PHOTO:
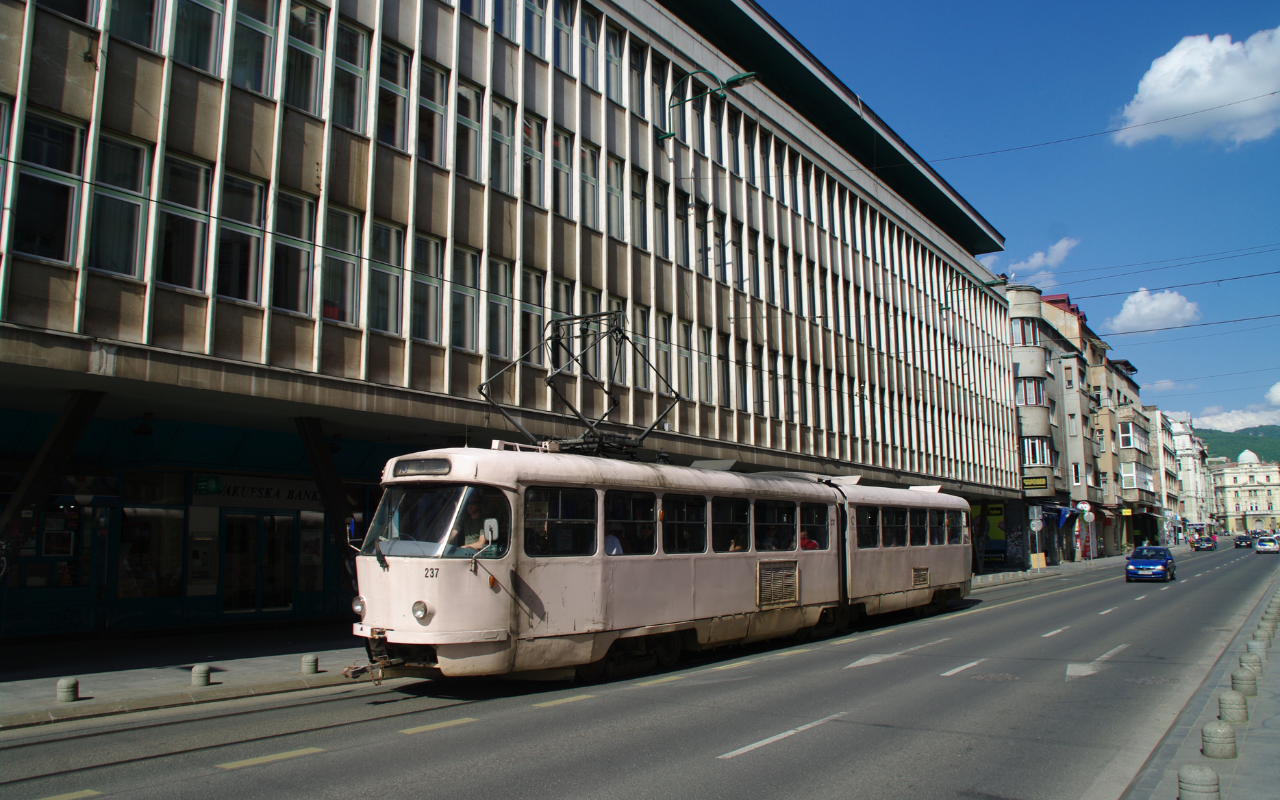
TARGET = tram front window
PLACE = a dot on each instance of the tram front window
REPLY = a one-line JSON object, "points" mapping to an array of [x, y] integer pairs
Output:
{"points": [[440, 521]]}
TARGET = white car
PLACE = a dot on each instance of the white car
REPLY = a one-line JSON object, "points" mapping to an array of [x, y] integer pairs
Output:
{"points": [[1267, 544]]}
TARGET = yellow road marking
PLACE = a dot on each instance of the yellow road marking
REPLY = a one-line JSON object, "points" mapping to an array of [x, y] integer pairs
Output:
{"points": [[667, 679], [735, 666], [249, 762], [73, 795], [793, 652], [564, 700], [438, 725]]}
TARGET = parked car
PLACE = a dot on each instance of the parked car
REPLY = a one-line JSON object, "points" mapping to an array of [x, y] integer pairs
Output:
{"points": [[1204, 543], [1244, 541], [1150, 564], [1267, 544]]}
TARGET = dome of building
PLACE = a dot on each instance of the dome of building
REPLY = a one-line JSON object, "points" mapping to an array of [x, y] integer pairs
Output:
{"points": [[1248, 457]]}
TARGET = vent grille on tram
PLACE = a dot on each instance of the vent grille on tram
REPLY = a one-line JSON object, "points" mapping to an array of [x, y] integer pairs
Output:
{"points": [[779, 584]]}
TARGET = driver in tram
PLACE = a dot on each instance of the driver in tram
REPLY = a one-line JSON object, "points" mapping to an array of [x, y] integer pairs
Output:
{"points": [[468, 528]]}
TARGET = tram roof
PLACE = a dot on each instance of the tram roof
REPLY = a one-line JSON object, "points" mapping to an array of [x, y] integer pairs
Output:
{"points": [[512, 468]]}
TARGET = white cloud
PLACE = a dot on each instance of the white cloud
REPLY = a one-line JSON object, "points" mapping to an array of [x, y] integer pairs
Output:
{"points": [[1159, 387], [989, 261], [1042, 263], [1273, 395], [1201, 73], [1143, 310], [1235, 420]]}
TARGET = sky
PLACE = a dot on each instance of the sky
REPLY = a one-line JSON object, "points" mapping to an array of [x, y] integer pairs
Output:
{"points": [[1122, 221]]}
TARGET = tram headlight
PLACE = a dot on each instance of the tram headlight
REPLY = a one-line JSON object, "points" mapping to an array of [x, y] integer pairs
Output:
{"points": [[421, 610], [357, 605]]}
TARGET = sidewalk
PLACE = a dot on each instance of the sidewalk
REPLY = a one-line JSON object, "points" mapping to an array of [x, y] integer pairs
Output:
{"points": [[1254, 774], [126, 674]]}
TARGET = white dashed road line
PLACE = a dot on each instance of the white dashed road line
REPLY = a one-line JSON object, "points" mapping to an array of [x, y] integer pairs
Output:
{"points": [[780, 736], [877, 658], [951, 672], [1136, 599], [1054, 633], [1108, 611]]}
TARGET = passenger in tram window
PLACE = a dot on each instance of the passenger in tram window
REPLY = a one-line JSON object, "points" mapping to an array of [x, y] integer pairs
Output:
{"points": [[730, 524], [468, 529], [684, 524], [893, 530], [626, 515], [775, 525], [813, 526], [646, 544], [919, 527], [560, 522], [612, 542]]}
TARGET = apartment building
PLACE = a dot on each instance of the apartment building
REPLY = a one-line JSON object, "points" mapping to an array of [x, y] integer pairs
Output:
{"points": [[251, 250], [1195, 503], [1168, 484], [1247, 492]]}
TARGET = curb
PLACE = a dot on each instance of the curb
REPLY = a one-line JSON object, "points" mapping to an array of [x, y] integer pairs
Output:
{"points": [[88, 710], [1002, 578]]}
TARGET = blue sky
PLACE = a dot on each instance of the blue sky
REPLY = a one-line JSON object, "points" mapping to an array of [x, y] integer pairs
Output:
{"points": [[960, 78]]}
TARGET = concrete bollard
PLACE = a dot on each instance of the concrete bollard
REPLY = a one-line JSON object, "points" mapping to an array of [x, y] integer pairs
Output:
{"points": [[1218, 740], [68, 690], [1197, 782], [1257, 648], [311, 664], [1251, 662], [200, 675], [1264, 636], [1232, 707], [1245, 682]]}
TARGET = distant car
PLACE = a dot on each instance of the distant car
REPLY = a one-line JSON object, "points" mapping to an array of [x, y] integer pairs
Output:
{"points": [[1204, 543], [1244, 541], [1267, 544], [1150, 564]]}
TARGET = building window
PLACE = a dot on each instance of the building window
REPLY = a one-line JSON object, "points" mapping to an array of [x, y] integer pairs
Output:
{"points": [[1025, 332], [467, 152], [613, 171], [465, 306], [1133, 436], [678, 119], [428, 270], [499, 322], [701, 242], [253, 51], [562, 173], [658, 86], [304, 62], [291, 264], [1037, 451], [682, 229], [661, 236], [1075, 473], [613, 64], [771, 281], [663, 349], [590, 196], [641, 340], [753, 267], [340, 280], [532, 307], [393, 98], [704, 364], [802, 389], [240, 235], [136, 21], [562, 49], [589, 333], [638, 55], [119, 207], [590, 44], [472, 8], [433, 91], [534, 140], [697, 109], [44, 218], [740, 370], [386, 270], [766, 175], [735, 157], [506, 17], [721, 254], [197, 34], [685, 355], [183, 223], [717, 131], [535, 36], [618, 356], [749, 151], [351, 60], [1029, 391], [503, 122], [639, 211]]}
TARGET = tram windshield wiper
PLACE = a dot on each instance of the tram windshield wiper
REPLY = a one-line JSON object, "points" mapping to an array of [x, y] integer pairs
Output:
{"points": [[382, 560]]}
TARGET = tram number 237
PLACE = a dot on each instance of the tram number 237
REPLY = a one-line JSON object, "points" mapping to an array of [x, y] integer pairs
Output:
{"points": [[431, 572]]}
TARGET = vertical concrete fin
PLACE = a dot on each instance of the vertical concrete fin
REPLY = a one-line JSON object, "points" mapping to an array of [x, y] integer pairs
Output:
{"points": [[324, 470]]}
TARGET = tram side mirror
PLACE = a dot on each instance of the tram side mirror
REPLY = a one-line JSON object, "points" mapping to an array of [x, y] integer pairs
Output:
{"points": [[491, 530], [353, 541]]}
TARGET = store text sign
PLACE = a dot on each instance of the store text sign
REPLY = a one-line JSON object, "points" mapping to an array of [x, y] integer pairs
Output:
{"points": [[241, 491]]}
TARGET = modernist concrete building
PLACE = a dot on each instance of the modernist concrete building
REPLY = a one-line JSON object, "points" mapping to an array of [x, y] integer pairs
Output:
{"points": [[1247, 492], [252, 249]]}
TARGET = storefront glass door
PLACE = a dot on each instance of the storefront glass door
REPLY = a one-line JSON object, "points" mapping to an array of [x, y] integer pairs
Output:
{"points": [[259, 562]]}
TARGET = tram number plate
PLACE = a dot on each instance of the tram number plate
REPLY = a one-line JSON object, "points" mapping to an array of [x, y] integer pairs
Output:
{"points": [[431, 572]]}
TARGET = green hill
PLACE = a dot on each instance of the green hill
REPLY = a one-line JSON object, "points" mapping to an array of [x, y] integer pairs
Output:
{"points": [[1263, 440]]}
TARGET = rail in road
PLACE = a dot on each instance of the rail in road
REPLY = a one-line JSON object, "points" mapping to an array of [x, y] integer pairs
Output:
{"points": [[1051, 689]]}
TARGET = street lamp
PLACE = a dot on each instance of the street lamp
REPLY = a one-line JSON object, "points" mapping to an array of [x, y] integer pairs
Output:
{"points": [[734, 82]]}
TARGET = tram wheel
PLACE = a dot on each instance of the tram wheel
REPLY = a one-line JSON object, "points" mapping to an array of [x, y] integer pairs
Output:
{"points": [[590, 673], [666, 647]]}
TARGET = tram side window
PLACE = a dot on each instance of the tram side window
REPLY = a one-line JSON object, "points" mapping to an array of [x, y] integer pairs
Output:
{"points": [[684, 523], [629, 522], [919, 527], [937, 527], [559, 522], [955, 527], [730, 524], [893, 533], [813, 526], [775, 525], [868, 521]]}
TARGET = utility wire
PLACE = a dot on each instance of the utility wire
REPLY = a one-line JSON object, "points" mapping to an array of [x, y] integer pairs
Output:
{"points": [[1219, 375], [1181, 285]]}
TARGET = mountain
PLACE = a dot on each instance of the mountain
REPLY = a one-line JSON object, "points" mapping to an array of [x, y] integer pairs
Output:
{"points": [[1263, 440]]}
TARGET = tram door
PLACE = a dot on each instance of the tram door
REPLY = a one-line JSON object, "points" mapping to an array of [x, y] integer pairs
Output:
{"points": [[259, 562]]}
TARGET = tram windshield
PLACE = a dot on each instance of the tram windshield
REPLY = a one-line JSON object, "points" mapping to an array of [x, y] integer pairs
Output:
{"points": [[440, 520]]}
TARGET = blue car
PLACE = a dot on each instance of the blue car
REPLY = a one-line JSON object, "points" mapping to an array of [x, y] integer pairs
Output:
{"points": [[1150, 564]]}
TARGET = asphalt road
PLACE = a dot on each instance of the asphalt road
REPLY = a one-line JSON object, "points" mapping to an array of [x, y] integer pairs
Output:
{"points": [[1058, 688]]}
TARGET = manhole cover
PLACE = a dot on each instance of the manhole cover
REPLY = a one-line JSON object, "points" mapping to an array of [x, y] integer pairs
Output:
{"points": [[996, 677], [1148, 681]]}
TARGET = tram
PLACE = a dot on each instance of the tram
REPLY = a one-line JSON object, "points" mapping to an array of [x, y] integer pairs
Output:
{"points": [[535, 564]]}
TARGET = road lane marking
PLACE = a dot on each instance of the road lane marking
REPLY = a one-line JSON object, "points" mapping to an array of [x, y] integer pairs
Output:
{"points": [[1093, 667], [1197, 575], [779, 737], [438, 725], [249, 762], [792, 652], [1108, 611], [1164, 588], [951, 672], [73, 795], [735, 665], [877, 658], [1139, 597], [563, 700], [1054, 633], [667, 679]]}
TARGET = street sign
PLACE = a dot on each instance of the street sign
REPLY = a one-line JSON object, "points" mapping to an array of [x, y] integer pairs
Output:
{"points": [[1083, 506], [1037, 525]]}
